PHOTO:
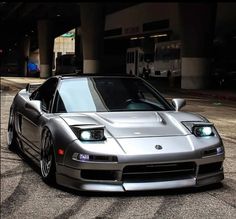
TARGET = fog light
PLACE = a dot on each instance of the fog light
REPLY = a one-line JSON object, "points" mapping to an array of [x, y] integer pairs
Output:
{"points": [[80, 157], [220, 150], [83, 157], [93, 158]]}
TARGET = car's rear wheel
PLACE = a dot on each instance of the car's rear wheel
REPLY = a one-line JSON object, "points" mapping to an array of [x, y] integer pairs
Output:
{"points": [[11, 133], [47, 162]]}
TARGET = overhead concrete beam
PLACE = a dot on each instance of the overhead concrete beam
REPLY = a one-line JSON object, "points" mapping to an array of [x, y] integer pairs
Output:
{"points": [[29, 8], [12, 11]]}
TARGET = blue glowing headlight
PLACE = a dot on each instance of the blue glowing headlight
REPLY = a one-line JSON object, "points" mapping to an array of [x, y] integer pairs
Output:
{"points": [[92, 135], [89, 132], [85, 135], [200, 129]]}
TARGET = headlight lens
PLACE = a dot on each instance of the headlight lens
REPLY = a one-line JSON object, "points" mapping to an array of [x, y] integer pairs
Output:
{"points": [[200, 129], [92, 135], [89, 133], [85, 135]]}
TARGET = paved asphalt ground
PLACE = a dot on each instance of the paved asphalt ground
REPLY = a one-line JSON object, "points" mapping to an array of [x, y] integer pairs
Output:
{"points": [[25, 195]]}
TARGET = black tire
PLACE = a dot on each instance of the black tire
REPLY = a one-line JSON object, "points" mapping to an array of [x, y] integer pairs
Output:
{"points": [[47, 161], [11, 133]]}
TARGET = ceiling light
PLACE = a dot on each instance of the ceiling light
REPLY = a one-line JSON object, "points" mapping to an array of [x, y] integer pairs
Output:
{"points": [[158, 35]]}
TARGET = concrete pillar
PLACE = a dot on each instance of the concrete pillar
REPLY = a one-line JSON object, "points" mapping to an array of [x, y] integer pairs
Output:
{"points": [[78, 43], [46, 43], [79, 48], [92, 30], [23, 56], [197, 22]]}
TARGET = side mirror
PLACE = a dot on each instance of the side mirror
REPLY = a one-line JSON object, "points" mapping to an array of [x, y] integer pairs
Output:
{"points": [[34, 106], [178, 103]]}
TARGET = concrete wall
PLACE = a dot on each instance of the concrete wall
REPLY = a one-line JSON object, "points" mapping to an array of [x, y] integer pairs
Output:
{"points": [[135, 16], [131, 21]]}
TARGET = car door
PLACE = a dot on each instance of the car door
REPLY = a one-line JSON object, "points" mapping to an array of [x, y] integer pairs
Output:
{"points": [[32, 121]]}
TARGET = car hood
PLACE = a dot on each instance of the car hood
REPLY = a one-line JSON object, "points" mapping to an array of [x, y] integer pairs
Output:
{"points": [[135, 124]]}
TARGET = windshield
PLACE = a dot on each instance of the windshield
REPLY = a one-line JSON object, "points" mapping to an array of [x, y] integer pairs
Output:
{"points": [[99, 94]]}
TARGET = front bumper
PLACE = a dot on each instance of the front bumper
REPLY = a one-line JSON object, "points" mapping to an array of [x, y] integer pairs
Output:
{"points": [[206, 171], [141, 186]]}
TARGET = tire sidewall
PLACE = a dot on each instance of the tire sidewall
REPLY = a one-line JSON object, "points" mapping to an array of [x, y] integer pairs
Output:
{"points": [[50, 178], [11, 134]]}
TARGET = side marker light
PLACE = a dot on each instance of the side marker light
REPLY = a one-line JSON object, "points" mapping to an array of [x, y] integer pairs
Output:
{"points": [[60, 152]]}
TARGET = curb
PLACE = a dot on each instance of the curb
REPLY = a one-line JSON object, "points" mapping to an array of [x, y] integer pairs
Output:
{"points": [[4, 88], [7, 85], [217, 96], [17, 83], [170, 91]]}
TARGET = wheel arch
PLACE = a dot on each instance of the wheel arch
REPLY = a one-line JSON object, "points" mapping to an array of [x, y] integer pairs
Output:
{"points": [[61, 134]]}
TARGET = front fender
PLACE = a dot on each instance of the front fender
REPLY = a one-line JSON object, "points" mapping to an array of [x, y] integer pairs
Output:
{"points": [[62, 136]]}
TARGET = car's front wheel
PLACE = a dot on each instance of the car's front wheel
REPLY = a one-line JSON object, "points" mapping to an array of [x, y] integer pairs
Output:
{"points": [[47, 162], [11, 133]]}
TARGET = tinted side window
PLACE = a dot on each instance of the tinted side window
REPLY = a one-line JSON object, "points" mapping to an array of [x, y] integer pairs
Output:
{"points": [[45, 93]]}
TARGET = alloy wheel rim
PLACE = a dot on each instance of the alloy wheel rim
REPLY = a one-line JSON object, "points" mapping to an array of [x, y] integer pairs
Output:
{"points": [[46, 160]]}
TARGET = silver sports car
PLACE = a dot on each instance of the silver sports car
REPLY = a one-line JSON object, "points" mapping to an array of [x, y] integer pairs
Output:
{"points": [[113, 133]]}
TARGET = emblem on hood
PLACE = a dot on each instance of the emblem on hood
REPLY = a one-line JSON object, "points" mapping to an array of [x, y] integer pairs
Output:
{"points": [[158, 147]]}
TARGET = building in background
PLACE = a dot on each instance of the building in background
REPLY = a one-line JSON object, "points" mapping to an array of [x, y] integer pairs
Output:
{"points": [[63, 45]]}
